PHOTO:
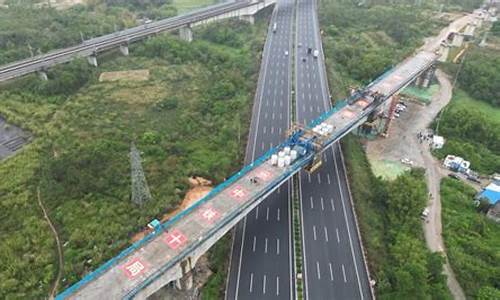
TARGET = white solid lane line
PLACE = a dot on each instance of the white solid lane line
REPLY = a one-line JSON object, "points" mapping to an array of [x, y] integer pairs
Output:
{"points": [[331, 271], [277, 285]]}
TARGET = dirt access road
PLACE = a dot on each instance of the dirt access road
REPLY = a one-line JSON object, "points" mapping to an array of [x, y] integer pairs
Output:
{"points": [[402, 142]]}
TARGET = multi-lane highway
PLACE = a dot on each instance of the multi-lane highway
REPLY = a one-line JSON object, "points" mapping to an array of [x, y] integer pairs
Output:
{"points": [[262, 256], [109, 41], [332, 257]]}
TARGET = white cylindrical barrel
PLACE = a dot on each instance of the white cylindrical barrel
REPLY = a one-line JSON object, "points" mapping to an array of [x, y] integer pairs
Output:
{"points": [[281, 154], [286, 150], [293, 155], [274, 159], [281, 162], [287, 160]]}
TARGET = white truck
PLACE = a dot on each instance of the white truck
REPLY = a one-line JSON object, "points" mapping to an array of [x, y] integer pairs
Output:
{"points": [[315, 53]]}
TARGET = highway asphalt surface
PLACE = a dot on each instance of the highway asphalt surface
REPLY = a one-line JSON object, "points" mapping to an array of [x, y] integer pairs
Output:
{"points": [[262, 257], [332, 257]]}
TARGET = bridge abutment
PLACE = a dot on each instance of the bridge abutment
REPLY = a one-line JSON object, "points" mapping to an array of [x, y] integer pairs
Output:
{"points": [[186, 33], [248, 18]]}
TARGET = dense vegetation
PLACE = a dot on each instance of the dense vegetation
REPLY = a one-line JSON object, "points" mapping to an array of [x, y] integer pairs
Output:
{"points": [[472, 242], [189, 118], [24, 26], [362, 42], [472, 130], [480, 75], [389, 215]]}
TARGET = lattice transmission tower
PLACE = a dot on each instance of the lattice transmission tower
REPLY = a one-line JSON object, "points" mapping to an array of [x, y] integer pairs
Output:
{"points": [[140, 189]]}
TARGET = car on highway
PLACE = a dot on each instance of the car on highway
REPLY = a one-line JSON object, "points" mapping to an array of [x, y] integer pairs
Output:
{"points": [[286, 53]]}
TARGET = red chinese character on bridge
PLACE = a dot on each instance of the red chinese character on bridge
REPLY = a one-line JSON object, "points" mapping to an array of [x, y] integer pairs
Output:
{"points": [[175, 239], [209, 214], [238, 193], [133, 268], [264, 174]]}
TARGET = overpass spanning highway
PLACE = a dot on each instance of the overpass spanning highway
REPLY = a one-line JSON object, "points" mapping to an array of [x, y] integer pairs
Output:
{"points": [[90, 48], [171, 251]]}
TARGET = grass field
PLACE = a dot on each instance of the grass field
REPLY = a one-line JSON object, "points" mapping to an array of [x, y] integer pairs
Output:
{"points": [[461, 99]]}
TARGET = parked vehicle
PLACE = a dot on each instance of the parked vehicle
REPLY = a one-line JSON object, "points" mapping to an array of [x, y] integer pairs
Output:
{"points": [[425, 213], [286, 53], [275, 26], [316, 53]]}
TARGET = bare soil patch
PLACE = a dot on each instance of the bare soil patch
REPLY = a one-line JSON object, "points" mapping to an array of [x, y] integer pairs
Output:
{"points": [[200, 187], [132, 75]]}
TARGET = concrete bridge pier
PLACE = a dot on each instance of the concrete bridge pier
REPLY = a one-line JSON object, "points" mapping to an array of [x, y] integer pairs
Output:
{"points": [[458, 39], [186, 33], [186, 281], [479, 21], [444, 50], [42, 75], [247, 18], [428, 76], [418, 81], [469, 30], [92, 59], [124, 49]]}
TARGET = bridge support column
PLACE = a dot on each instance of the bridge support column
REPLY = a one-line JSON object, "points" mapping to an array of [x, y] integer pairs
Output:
{"points": [[124, 49], [469, 30], [43, 75], [428, 76], [458, 40], [92, 60], [479, 22], [186, 281], [393, 101], [247, 18], [444, 50], [186, 33]]}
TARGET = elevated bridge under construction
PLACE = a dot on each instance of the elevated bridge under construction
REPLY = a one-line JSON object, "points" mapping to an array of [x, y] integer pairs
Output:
{"points": [[170, 252]]}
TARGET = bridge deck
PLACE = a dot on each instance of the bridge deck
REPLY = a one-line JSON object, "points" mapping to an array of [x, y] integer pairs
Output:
{"points": [[131, 270]]}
